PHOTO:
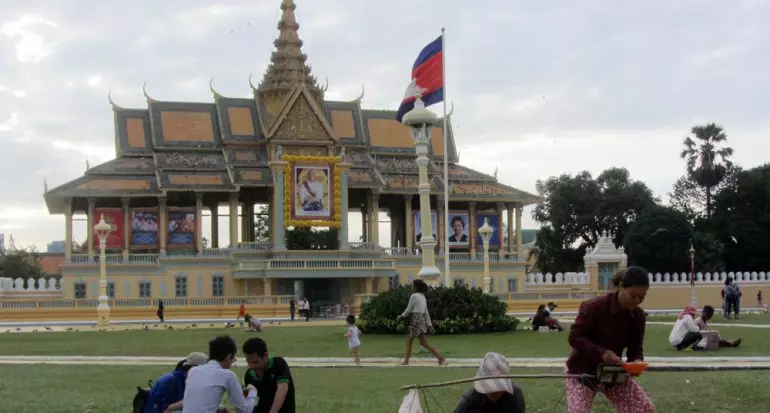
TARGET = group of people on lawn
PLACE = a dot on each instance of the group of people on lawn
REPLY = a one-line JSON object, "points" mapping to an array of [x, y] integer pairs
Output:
{"points": [[605, 328]]}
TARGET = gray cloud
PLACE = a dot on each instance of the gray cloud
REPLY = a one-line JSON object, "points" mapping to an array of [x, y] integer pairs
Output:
{"points": [[540, 88]]}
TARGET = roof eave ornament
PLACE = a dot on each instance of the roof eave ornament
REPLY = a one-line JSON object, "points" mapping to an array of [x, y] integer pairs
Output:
{"points": [[112, 102], [360, 97], [451, 110], [326, 86], [144, 91], [45, 185], [251, 82], [214, 92]]}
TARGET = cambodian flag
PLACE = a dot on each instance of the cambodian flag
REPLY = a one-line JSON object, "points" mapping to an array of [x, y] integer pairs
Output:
{"points": [[427, 78]]}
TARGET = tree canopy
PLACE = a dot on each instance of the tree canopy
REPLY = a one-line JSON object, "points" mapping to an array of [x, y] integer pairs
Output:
{"points": [[707, 159], [20, 263]]}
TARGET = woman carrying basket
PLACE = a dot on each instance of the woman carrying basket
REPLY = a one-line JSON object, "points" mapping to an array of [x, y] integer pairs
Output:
{"points": [[419, 322]]}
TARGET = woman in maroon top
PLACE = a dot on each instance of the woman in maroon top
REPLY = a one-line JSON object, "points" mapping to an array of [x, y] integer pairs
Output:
{"points": [[605, 326]]}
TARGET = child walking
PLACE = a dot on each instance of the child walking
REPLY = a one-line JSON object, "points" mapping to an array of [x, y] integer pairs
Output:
{"points": [[354, 338]]}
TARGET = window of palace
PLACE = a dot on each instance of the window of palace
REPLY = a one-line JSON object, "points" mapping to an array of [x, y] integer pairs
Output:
{"points": [[79, 290], [512, 286], [180, 286], [111, 289], [218, 286], [145, 289]]}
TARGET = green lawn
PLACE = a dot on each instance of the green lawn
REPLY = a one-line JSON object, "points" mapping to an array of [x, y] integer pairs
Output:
{"points": [[328, 341], [371, 390], [751, 318]]}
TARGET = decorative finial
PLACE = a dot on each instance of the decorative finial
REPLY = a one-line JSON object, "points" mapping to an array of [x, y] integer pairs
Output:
{"points": [[251, 83], [279, 152], [87, 165], [326, 86], [342, 154], [358, 99], [211, 88], [144, 90], [112, 102], [451, 109], [496, 174], [45, 184]]}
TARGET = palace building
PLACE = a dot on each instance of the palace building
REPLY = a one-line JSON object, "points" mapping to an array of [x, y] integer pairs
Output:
{"points": [[314, 161]]}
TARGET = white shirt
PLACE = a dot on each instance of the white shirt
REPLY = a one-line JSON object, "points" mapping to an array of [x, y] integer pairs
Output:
{"points": [[682, 326], [417, 305], [354, 337], [207, 383]]}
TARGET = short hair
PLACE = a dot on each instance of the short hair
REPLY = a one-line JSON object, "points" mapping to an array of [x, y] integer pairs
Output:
{"points": [[351, 319], [635, 277], [221, 347], [458, 219], [255, 345], [708, 311], [420, 286]]}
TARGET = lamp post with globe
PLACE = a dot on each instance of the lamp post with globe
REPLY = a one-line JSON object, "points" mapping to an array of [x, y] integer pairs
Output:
{"points": [[420, 122], [103, 230], [486, 231]]}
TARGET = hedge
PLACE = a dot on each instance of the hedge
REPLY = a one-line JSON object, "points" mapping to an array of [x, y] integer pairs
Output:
{"points": [[454, 310]]}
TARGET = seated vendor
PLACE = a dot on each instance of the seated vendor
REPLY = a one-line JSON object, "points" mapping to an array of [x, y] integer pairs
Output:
{"points": [[685, 333], [542, 318], [492, 395], [702, 324]]}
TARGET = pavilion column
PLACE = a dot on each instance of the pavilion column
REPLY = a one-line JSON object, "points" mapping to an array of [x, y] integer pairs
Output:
{"points": [[90, 224], [126, 228], [365, 222], [244, 222], [163, 229], [500, 236], [68, 233], [374, 218], [519, 247], [233, 201], [269, 210], [214, 208], [472, 228], [408, 234], [268, 290], [278, 233], [343, 231], [441, 231], [198, 221], [511, 239]]}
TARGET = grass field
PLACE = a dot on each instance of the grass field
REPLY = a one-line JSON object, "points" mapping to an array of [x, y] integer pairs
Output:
{"points": [[97, 389], [749, 318], [328, 341]]}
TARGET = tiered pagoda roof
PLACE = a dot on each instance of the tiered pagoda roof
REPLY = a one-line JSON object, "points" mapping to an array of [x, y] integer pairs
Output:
{"points": [[225, 145]]}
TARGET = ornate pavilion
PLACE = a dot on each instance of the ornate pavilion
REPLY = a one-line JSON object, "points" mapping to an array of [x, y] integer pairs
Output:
{"points": [[175, 159]]}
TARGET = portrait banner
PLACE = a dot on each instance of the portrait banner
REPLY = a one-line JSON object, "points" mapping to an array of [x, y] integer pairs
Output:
{"points": [[181, 228], [417, 219], [114, 217], [312, 186], [144, 228], [457, 229], [494, 222]]}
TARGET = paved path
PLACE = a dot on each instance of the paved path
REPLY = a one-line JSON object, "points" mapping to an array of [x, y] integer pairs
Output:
{"points": [[680, 363]]}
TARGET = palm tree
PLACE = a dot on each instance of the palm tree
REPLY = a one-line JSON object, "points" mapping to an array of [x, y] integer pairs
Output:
{"points": [[707, 160]]}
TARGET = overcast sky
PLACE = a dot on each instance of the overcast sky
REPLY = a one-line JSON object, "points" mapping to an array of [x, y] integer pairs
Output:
{"points": [[540, 87]]}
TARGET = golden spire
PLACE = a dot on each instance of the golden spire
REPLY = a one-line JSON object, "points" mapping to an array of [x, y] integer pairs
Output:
{"points": [[288, 65]]}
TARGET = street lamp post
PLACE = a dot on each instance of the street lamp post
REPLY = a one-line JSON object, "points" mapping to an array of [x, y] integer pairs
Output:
{"points": [[103, 230], [693, 297], [486, 234], [420, 122]]}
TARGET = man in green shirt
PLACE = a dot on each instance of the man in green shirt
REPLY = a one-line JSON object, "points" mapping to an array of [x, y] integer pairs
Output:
{"points": [[271, 376]]}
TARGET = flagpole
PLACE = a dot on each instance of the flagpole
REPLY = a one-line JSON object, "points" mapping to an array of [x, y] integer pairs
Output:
{"points": [[447, 278]]}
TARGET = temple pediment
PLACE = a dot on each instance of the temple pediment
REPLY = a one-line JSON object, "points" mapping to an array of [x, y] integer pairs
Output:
{"points": [[301, 120]]}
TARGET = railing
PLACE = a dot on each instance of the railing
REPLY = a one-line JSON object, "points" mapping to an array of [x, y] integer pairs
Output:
{"points": [[41, 284], [556, 280], [146, 302], [742, 277], [254, 246], [396, 251], [548, 296], [328, 264], [362, 246]]}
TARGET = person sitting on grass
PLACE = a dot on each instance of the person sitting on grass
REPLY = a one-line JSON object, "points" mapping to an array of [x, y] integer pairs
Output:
{"points": [[207, 384], [604, 327], [492, 395], [685, 333], [167, 393], [542, 318], [271, 377], [252, 323], [702, 323]]}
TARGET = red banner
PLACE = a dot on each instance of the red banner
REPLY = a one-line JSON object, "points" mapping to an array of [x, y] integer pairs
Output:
{"points": [[114, 217]]}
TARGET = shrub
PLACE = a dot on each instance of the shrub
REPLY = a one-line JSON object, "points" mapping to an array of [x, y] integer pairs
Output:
{"points": [[453, 310]]}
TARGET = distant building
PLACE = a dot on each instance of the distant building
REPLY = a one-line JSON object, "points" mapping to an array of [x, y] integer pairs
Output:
{"points": [[55, 246]]}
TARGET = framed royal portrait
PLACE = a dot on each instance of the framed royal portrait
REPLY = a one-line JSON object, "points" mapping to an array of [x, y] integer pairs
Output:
{"points": [[457, 229], [312, 187], [312, 192], [494, 222], [417, 219]]}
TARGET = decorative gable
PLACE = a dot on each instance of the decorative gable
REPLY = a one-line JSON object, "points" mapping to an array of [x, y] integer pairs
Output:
{"points": [[301, 120]]}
